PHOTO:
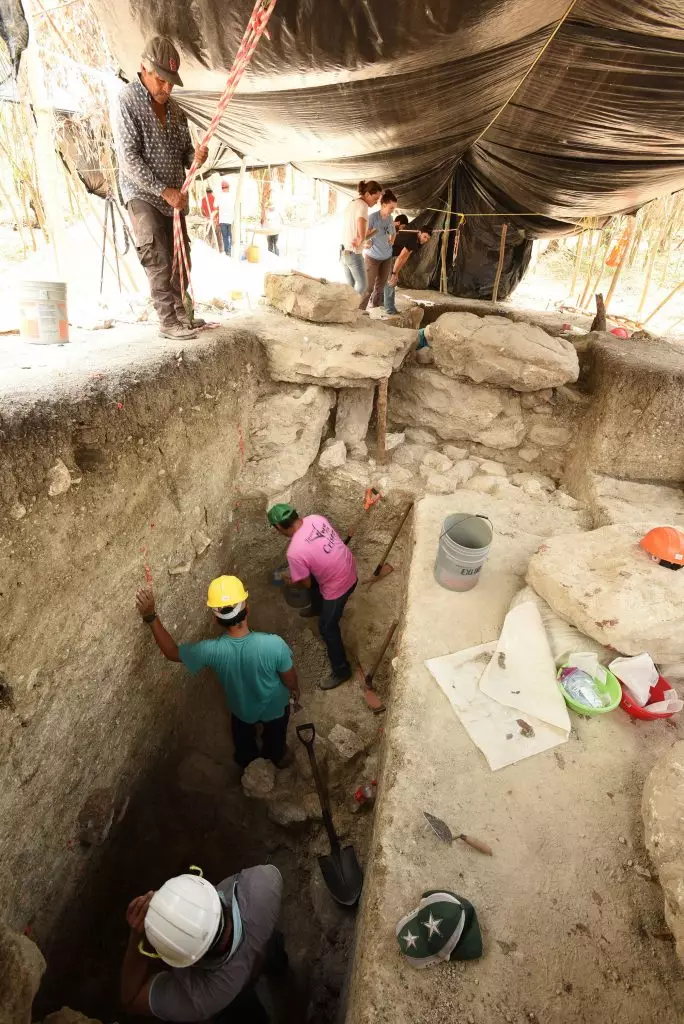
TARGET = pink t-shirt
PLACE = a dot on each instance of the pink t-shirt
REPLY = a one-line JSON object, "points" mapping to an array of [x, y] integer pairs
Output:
{"points": [[317, 550]]}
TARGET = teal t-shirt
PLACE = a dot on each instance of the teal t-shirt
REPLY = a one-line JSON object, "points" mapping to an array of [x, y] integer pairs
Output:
{"points": [[247, 668]]}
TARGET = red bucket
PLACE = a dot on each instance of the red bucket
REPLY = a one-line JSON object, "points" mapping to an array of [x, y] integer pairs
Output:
{"points": [[657, 693]]}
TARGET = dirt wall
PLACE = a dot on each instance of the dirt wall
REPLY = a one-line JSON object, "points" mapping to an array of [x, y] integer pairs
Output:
{"points": [[86, 701]]}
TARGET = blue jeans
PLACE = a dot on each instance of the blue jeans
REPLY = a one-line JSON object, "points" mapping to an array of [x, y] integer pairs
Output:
{"points": [[355, 270], [227, 234], [329, 615], [390, 306]]}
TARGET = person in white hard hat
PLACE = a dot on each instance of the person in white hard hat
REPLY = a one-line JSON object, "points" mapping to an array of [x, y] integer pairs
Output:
{"points": [[215, 939]]}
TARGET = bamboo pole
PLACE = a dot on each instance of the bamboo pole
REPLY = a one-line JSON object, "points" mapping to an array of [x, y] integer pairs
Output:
{"points": [[237, 210], [650, 264], [499, 266], [578, 260], [619, 268], [590, 272], [382, 421], [443, 280], [663, 303]]}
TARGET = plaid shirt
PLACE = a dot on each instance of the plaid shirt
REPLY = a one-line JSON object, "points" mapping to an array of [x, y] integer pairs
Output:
{"points": [[151, 156]]}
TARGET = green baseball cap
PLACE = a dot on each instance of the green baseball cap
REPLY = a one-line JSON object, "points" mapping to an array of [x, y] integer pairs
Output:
{"points": [[278, 514], [442, 927]]}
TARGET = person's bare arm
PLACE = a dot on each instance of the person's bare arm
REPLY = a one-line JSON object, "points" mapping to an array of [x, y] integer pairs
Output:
{"points": [[136, 970], [290, 680], [361, 228], [398, 264], [144, 601], [306, 582]]}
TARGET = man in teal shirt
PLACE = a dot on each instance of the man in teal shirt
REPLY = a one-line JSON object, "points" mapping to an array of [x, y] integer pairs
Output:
{"points": [[255, 670]]}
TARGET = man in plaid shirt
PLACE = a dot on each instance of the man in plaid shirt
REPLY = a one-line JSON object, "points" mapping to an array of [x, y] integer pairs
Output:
{"points": [[154, 149]]}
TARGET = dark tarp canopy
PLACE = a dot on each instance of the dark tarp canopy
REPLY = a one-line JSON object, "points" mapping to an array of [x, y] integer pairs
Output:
{"points": [[558, 109]]}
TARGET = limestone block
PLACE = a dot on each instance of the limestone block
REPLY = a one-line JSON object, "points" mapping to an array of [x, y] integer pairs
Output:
{"points": [[22, 967], [549, 436], [410, 455], [455, 410], [495, 350], [435, 461], [331, 355], [609, 588], [312, 300], [439, 483], [411, 317], [359, 451], [258, 778], [354, 408], [333, 456], [464, 470], [662, 809], [528, 453], [454, 453], [393, 440], [487, 484], [493, 468], [345, 743], [545, 482], [418, 435], [286, 813], [284, 437]]}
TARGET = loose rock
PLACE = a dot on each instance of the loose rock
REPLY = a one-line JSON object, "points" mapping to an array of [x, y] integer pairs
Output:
{"points": [[359, 451], [528, 454], [393, 441], [454, 453], [493, 468], [180, 562], [286, 814], [316, 301], [545, 482], [258, 778], [59, 479], [200, 541], [17, 511], [345, 742], [487, 484], [418, 435], [334, 456]]}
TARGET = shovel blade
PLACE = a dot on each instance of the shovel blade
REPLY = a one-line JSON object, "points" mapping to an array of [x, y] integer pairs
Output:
{"points": [[343, 875]]}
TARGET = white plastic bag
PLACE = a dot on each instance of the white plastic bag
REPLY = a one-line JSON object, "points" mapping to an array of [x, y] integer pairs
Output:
{"points": [[637, 674]]}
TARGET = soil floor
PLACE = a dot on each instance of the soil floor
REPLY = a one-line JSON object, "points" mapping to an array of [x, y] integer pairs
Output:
{"points": [[192, 809]]}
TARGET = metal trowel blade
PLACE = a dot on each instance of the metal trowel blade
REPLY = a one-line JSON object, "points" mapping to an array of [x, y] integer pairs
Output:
{"points": [[439, 827]]}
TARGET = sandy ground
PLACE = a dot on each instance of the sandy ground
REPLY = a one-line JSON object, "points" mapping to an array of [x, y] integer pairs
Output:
{"points": [[572, 922]]}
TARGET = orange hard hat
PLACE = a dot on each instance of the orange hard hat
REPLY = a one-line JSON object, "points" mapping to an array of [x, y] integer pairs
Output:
{"points": [[666, 545]]}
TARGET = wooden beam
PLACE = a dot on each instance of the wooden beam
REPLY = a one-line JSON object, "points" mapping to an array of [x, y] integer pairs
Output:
{"points": [[381, 413], [499, 267]]}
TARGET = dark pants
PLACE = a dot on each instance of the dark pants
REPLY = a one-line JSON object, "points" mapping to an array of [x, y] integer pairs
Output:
{"points": [[227, 233], [153, 233], [377, 275], [273, 739], [330, 613], [246, 1008], [272, 241]]}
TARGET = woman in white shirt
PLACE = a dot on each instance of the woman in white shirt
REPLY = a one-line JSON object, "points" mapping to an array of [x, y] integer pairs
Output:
{"points": [[354, 233]]}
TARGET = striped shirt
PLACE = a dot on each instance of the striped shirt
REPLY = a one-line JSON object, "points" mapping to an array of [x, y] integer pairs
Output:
{"points": [[151, 156]]}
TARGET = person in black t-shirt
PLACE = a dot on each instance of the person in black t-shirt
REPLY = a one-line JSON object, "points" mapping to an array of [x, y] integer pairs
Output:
{"points": [[405, 243]]}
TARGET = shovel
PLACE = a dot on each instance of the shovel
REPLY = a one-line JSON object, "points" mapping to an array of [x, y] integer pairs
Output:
{"points": [[369, 694], [383, 568], [340, 869]]}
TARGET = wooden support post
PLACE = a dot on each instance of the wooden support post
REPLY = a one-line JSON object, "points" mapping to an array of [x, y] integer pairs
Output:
{"points": [[620, 266], [381, 413], [664, 302], [237, 211], [499, 267], [443, 277], [578, 260]]}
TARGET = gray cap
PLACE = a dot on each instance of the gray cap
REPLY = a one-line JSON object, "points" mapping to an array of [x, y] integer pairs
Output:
{"points": [[164, 58]]}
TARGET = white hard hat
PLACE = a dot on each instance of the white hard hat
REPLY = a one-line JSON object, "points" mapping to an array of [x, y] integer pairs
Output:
{"points": [[182, 919]]}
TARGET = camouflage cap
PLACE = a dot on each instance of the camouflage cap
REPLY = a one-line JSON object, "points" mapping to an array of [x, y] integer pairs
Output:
{"points": [[164, 58]]}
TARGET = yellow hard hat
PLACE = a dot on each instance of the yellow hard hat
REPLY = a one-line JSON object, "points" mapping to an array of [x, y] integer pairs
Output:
{"points": [[226, 591]]}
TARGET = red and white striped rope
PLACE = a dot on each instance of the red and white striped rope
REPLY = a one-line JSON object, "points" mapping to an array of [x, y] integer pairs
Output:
{"points": [[256, 27]]}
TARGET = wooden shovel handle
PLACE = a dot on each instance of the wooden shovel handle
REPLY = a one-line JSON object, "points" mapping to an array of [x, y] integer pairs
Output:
{"points": [[391, 543], [477, 844]]}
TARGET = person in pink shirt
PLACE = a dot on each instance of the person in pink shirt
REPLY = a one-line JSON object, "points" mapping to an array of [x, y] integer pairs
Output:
{"points": [[319, 559]]}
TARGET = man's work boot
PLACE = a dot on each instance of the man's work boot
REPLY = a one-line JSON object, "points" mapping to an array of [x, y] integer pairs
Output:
{"points": [[177, 332], [335, 680], [184, 319]]}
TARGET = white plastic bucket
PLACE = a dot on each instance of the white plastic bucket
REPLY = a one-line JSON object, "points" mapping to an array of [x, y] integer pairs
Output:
{"points": [[43, 312], [462, 551]]}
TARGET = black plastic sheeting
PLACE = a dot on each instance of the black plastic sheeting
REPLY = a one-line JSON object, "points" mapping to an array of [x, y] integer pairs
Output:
{"points": [[583, 122], [13, 30]]}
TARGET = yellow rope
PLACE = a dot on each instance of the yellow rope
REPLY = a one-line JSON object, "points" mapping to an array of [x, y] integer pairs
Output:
{"points": [[524, 78]]}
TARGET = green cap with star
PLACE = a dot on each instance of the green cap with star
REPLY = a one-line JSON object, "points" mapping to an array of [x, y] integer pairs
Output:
{"points": [[443, 926]]}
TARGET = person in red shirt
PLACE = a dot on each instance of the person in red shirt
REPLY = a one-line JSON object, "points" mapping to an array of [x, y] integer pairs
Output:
{"points": [[208, 206]]}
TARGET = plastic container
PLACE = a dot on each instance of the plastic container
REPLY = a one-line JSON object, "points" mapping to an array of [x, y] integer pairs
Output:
{"points": [[297, 597], [613, 688], [43, 312], [657, 693], [253, 254], [462, 551]]}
